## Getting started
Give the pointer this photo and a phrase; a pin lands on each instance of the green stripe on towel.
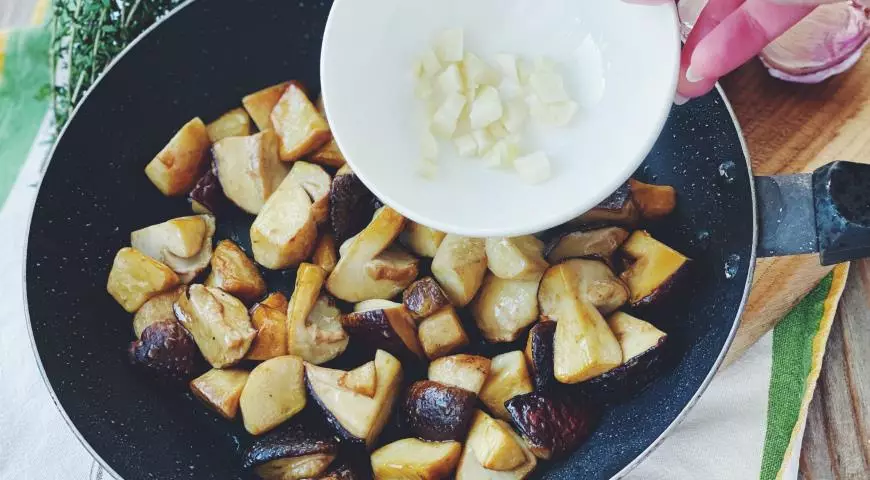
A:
(792, 361)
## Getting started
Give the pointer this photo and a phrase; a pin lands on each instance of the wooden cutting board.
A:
(791, 128)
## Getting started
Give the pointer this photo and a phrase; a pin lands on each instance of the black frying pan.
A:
(201, 61)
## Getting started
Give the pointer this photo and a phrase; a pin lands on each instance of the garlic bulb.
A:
(827, 42)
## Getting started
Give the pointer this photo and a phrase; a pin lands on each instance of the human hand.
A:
(727, 34)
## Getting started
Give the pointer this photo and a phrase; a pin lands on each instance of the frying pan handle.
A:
(827, 211)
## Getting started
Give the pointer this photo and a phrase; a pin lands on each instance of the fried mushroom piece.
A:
(296, 120)
(269, 317)
(207, 196)
(539, 354)
(552, 424)
(460, 266)
(166, 353)
(438, 412)
(516, 258)
(464, 371)
(183, 244)
(218, 322)
(386, 325)
(314, 330)
(422, 240)
(653, 201)
(424, 297)
(158, 308)
(325, 254)
(617, 209)
(136, 277)
(235, 123)
(655, 270)
(351, 205)
(294, 452)
(362, 272)
(442, 334)
(260, 104)
(175, 170)
(355, 417)
(317, 183)
(470, 467)
(413, 458)
(285, 231)
(329, 154)
(233, 272)
(273, 394)
(220, 390)
(600, 243)
(249, 169)
(508, 377)
(597, 285)
(503, 308)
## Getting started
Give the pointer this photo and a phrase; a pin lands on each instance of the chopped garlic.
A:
(450, 45)
(498, 130)
(515, 113)
(450, 80)
(424, 88)
(552, 114)
(477, 72)
(486, 108)
(428, 168)
(548, 86)
(466, 146)
(483, 140)
(428, 145)
(508, 66)
(501, 154)
(430, 64)
(445, 119)
(534, 168)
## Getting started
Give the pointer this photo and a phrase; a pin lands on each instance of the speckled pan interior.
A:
(201, 61)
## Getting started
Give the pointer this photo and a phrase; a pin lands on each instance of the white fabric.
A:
(722, 437)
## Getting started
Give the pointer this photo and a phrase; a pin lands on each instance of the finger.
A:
(711, 16)
(738, 37)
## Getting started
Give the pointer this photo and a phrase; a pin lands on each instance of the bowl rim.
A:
(538, 223)
(624, 471)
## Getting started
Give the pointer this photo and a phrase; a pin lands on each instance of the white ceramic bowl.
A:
(620, 62)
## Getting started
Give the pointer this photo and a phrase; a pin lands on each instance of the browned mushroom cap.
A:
(552, 424)
(437, 412)
(653, 201)
(294, 451)
(617, 209)
(424, 297)
(166, 353)
(600, 243)
(539, 354)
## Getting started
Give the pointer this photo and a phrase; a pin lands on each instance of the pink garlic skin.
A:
(827, 42)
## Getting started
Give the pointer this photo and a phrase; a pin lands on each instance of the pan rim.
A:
(624, 471)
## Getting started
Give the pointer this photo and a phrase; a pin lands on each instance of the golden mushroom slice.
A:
(597, 284)
(352, 279)
(269, 317)
(136, 277)
(464, 371)
(183, 244)
(233, 272)
(159, 308)
(354, 416)
(260, 104)
(284, 233)
(442, 333)
(314, 330)
(583, 345)
(459, 266)
(600, 243)
(418, 459)
(422, 240)
(249, 169)
(656, 268)
(516, 258)
(218, 322)
(491, 440)
(387, 325)
(176, 169)
(317, 183)
(504, 309)
(325, 254)
(274, 393)
(508, 377)
(235, 123)
(220, 390)
(301, 127)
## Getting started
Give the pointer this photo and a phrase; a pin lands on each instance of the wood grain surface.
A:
(797, 128)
